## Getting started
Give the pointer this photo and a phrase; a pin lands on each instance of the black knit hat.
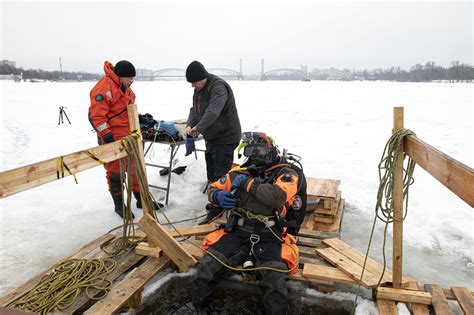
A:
(125, 69)
(195, 72)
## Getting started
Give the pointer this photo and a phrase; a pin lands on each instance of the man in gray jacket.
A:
(214, 115)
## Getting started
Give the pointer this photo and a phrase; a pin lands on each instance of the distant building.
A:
(8, 63)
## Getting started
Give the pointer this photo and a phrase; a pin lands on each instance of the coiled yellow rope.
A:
(62, 285)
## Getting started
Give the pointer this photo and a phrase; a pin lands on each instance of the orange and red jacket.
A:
(109, 101)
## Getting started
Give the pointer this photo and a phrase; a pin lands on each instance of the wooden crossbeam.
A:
(145, 250)
(401, 295)
(123, 290)
(439, 302)
(36, 174)
(188, 230)
(456, 176)
(465, 300)
(156, 233)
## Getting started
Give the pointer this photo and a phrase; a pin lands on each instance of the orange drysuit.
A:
(108, 114)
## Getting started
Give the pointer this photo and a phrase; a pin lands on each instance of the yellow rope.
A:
(60, 166)
(63, 284)
(92, 155)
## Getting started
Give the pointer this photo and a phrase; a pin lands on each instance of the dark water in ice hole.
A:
(236, 297)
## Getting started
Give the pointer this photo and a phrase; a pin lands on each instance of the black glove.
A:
(179, 170)
(108, 138)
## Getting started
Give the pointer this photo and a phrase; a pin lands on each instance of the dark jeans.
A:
(219, 158)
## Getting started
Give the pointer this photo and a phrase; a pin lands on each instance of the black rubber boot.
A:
(119, 206)
(213, 212)
(139, 202)
(191, 308)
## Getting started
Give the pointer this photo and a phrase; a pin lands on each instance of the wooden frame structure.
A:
(458, 178)
(33, 175)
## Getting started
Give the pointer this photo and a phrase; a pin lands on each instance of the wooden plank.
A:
(359, 258)
(124, 263)
(28, 285)
(316, 234)
(312, 260)
(14, 311)
(397, 246)
(145, 250)
(37, 174)
(123, 290)
(387, 307)
(464, 298)
(196, 252)
(401, 295)
(322, 188)
(134, 123)
(326, 273)
(298, 276)
(310, 242)
(335, 204)
(418, 309)
(309, 224)
(167, 243)
(307, 251)
(348, 266)
(456, 176)
(321, 219)
(188, 230)
(440, 304)
(336, 225)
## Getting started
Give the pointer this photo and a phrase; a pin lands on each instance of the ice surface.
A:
(339, 128)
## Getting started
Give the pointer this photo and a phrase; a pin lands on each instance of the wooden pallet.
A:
(123, 291)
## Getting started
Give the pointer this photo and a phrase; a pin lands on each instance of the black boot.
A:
(213, 212)
(139, 202)
(191, 308)
(119, 206)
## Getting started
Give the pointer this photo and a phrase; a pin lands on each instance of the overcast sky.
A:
(156, 35)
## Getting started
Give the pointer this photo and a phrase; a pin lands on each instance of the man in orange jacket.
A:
(267, 200)
(109, 117)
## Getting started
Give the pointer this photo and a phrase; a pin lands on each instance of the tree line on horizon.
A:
(417, 73)
(420, 73)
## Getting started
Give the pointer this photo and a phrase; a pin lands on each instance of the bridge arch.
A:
(226, 73)
(169, 73)
(285, 74)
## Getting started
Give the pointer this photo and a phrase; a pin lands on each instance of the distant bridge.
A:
(177, 73)
(277, 74)
(285, 74)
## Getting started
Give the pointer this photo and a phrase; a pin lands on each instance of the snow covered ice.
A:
(339, 128)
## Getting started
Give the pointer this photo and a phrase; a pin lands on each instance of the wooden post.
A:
(135, 125)
(398, 205)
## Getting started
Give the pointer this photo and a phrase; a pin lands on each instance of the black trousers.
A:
(233, 249)
(219, 158)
